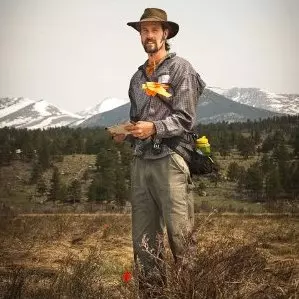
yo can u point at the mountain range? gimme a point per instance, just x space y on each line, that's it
255 97
215 105
26 113
212 108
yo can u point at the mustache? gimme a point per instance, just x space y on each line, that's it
149 40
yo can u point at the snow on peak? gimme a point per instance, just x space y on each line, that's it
218 90
105 105
260 98
41 107
44 108
112 103
23 112
11 105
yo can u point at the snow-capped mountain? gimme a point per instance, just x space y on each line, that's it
216 104
259 98
102 106
26 113
212 108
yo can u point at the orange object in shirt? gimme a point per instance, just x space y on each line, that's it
153 88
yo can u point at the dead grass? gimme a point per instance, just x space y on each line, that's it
77 256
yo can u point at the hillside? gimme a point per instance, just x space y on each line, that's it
20 196
17 193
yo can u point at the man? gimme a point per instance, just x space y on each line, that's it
163 93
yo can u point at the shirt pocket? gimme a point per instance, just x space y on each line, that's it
164 78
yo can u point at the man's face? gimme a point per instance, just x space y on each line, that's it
152 36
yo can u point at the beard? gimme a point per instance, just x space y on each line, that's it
152 47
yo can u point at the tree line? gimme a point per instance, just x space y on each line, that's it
275 175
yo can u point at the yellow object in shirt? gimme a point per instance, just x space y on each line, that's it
153 88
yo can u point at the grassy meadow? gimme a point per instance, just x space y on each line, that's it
63 250
85 255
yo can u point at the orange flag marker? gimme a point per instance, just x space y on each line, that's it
153 88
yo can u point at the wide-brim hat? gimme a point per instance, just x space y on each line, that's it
156 15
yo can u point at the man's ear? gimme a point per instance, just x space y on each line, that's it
165 34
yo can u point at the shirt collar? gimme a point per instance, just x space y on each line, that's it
169 56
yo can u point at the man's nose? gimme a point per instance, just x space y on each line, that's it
149 35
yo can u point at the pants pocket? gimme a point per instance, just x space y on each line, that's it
179 163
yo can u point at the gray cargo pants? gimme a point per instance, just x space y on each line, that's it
161 197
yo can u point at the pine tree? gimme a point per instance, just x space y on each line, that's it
296 143
74 191
93 188
108 163
294 182
254 180
106 159
36 173
44 154
285 175
273 186
56 147
233 171
121 188
256 136
55 188
126 159
70 146
41 187
241 178
224 149
266 164
278 137
246 147
5 153
280 153
107 188
104 185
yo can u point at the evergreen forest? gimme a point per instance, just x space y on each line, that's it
271 147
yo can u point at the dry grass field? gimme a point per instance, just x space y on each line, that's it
84 256
245 255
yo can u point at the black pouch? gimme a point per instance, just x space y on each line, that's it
201 164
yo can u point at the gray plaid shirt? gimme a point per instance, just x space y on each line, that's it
173 116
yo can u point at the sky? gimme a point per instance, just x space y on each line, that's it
75 53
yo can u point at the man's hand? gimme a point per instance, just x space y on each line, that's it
142 129
118 137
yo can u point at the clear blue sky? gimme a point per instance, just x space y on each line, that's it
74 53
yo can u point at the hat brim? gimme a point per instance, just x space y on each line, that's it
173 27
